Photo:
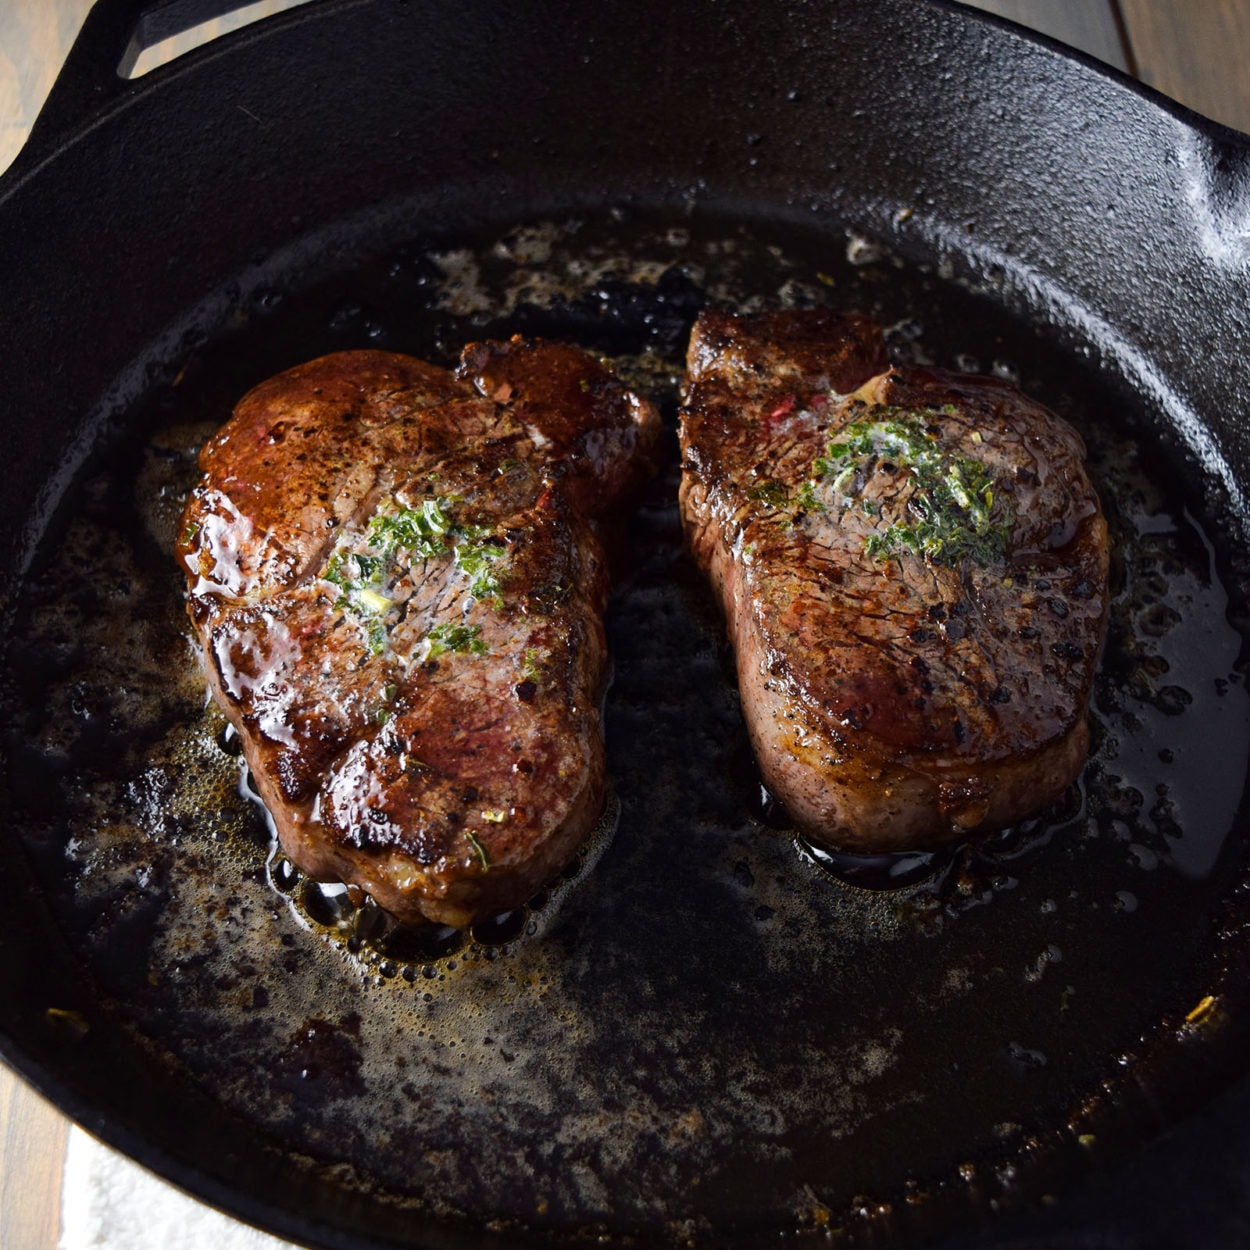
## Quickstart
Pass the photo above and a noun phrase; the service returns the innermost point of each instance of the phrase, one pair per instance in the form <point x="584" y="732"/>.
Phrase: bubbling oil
<point x="351" y="922"/>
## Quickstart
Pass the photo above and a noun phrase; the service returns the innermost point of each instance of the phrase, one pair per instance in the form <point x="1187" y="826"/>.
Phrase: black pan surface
<point x="701" y="1034"/>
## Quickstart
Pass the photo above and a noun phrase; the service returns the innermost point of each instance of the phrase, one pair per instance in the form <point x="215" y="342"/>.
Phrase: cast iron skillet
<point x="144" y="231"/>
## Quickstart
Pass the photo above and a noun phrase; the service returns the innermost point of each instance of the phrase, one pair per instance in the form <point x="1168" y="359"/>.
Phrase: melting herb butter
<point x="397" y="538"/>
<point x="951" y="511"/>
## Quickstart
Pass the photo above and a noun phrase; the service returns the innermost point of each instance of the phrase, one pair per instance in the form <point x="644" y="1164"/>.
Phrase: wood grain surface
<point x="1093" y="27"/>
<point x="32" y="1149"/>
<point x="1197" y="51"/>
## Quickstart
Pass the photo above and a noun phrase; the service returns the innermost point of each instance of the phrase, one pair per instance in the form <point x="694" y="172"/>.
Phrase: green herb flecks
<point x="420" y="531"/>
<point x="477" y="552"/>
<point x="951" y="511"/>
<point x="807" y="500"/>
<point x="460" y="639"/>
<point x="397" y="538"/>
<point x="429" y="531"/>
<point x="478" y="849"/>
<point x="769" y="492"/>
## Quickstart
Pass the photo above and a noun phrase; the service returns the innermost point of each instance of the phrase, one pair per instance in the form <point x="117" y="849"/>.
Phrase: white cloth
<point x="110" y="1203"/>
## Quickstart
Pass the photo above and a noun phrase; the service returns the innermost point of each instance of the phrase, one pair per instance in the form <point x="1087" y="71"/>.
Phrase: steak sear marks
<point x="913" y="566"/>
<point x="395" y="574"/>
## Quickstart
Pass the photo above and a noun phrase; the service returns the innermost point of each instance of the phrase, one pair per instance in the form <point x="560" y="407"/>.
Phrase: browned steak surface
<point x="395" y="575"/>
<point x="913" y="566"/>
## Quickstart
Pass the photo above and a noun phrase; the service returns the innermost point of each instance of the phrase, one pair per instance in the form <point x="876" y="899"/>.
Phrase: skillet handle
<point x="96" y="71"/>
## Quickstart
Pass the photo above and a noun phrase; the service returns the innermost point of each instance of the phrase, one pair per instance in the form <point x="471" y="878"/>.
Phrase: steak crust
<point x="913" y="566"/>
<point x="395" y="575"/>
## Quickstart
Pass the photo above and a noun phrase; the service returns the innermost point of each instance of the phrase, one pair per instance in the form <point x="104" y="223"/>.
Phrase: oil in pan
<point x="704" y="1033"/>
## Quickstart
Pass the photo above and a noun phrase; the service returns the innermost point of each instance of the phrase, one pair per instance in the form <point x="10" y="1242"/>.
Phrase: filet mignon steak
<point x="396" y="578"/>
<point x="913" y="566"/>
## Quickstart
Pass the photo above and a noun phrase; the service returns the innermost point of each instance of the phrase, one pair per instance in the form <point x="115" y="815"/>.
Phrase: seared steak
<point x="396" y="579"/>
<point x="913" y="565"/>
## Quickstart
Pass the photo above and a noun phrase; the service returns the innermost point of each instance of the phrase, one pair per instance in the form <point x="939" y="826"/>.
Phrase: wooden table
<point x="1196" y="51"/>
